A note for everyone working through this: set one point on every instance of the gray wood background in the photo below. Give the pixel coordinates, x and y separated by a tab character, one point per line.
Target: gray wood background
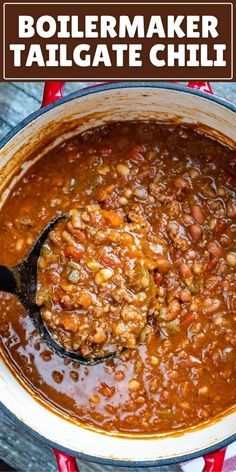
17	448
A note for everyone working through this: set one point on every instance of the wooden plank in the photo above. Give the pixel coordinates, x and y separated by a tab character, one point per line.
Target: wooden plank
4	126
15	104
33	89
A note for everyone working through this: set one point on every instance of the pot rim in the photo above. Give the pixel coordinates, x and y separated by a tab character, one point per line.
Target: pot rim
91	89
115	462
33	116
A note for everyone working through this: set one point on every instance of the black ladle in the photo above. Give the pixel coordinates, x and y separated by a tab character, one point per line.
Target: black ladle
21	281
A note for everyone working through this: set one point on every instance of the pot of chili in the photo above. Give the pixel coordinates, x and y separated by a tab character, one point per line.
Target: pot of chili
161	157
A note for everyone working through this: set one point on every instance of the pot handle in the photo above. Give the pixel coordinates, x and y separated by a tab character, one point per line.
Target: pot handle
54	90
65	462
203	86
214	462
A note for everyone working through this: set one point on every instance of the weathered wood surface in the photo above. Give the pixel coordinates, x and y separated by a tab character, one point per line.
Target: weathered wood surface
17	448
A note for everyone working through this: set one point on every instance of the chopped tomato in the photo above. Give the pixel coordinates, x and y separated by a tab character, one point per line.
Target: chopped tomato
109	260
114	218
187	319
102	195
73	252
105	152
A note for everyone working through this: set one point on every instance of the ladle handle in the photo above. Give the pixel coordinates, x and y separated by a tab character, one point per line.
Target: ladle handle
8	279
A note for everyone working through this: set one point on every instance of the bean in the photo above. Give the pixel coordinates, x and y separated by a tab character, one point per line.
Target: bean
187	219
221	191
123	201
231	208
100	336
185	296
145	281
197	268
57	376
154	360
127	193
134	385
103	275
163	265
76	218
197	214
161	292
93	265
106	391
181	183
103	170
173	310
140	400
211	306
119	376
74	375
193	173
185	271
122	169
220	227
46	355
214	249
231	259
140	193
196	232
151	199
42	262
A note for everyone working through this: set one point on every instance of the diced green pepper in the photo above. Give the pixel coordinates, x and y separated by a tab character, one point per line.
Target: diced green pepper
172	328
74	276
45	250
73	265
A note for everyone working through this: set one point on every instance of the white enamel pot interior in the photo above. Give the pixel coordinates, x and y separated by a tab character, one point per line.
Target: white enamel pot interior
78	112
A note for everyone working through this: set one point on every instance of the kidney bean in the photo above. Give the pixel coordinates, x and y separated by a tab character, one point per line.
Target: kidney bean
211	306
163	265
173	310
185	271
185	295
196	232
198	214
187	219
214	249
220	227
181	183
231	208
